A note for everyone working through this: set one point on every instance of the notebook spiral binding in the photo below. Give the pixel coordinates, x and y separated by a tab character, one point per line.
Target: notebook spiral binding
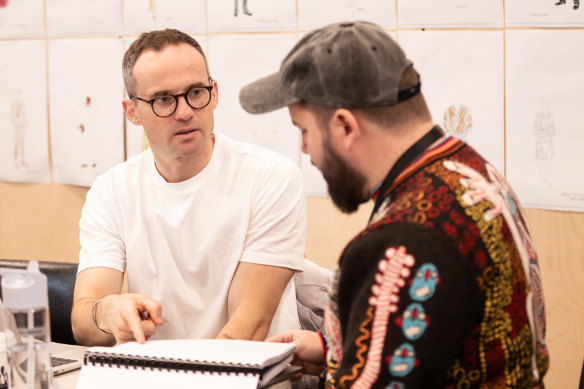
169	364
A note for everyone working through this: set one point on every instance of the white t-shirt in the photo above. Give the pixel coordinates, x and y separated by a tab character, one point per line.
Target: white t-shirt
181	242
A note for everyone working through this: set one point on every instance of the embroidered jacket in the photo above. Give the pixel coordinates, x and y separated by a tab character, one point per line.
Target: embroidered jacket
442	289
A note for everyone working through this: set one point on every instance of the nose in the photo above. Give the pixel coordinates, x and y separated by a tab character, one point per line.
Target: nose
183	110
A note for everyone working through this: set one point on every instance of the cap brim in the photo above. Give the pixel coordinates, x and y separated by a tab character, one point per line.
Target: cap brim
265	95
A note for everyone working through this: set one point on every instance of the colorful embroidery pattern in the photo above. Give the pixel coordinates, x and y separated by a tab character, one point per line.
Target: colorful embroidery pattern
453	192
503	311
403	360
413	321
392	270
362	343
424	283
333	328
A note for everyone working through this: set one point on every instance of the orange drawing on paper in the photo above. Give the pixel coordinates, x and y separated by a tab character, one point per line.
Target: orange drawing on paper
83	128
3	4
152	8
457	121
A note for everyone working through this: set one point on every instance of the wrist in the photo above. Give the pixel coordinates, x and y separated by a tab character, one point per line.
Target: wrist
93	317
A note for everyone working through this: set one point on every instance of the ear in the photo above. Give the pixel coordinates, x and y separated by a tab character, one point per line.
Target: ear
130	110
215	95
345	128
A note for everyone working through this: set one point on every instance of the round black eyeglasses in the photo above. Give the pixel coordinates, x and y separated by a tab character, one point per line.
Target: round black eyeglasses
163	106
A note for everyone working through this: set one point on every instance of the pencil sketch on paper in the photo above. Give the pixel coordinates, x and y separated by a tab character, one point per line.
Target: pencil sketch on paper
576	3
245	9
355	4
544	131
18	116
457	121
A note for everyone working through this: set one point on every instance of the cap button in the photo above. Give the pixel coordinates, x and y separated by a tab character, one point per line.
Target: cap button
346	24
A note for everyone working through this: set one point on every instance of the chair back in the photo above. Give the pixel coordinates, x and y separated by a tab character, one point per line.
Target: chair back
312	287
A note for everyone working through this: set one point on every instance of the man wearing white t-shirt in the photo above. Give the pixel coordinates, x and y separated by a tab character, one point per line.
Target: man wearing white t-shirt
208	230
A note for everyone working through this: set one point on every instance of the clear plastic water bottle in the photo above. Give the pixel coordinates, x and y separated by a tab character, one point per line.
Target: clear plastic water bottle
25	297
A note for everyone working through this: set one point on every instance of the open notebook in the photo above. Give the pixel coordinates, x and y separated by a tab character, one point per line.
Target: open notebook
196	363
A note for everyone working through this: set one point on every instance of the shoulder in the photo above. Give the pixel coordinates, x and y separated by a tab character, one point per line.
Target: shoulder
249	156
123	173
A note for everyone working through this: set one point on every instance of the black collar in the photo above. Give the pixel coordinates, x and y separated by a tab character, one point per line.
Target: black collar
404	160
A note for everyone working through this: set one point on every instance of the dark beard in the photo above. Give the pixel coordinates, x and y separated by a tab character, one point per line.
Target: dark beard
345	184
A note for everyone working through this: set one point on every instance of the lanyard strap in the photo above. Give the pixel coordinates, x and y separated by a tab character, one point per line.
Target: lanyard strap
404	160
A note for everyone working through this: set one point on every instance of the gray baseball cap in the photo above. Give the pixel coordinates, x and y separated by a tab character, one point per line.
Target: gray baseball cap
348	65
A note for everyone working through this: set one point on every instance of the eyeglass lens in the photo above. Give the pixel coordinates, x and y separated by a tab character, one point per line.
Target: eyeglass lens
196	98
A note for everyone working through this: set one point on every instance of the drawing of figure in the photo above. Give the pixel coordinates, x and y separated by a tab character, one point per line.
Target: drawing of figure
18	116
457	121
544	131
245	9
576	3
152	8
355	4
3	373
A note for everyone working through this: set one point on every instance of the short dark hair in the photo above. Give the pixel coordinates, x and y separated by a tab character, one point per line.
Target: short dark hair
154	40
383	116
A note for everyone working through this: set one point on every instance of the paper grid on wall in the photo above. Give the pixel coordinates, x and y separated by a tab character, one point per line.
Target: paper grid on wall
464	50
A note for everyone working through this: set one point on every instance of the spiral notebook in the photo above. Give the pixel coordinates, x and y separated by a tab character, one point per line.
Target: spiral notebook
194	363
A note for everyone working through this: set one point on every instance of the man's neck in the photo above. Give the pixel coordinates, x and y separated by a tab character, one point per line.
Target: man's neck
176	169
387	149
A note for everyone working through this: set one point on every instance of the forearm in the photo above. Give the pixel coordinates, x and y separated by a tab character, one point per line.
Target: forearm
254	296
84	330
247	323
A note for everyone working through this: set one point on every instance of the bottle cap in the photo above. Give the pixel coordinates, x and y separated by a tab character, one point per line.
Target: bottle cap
25	289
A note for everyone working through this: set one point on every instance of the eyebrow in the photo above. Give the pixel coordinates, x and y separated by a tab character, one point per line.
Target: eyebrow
169	92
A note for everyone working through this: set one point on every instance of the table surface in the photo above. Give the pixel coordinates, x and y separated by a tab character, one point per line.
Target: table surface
69	380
